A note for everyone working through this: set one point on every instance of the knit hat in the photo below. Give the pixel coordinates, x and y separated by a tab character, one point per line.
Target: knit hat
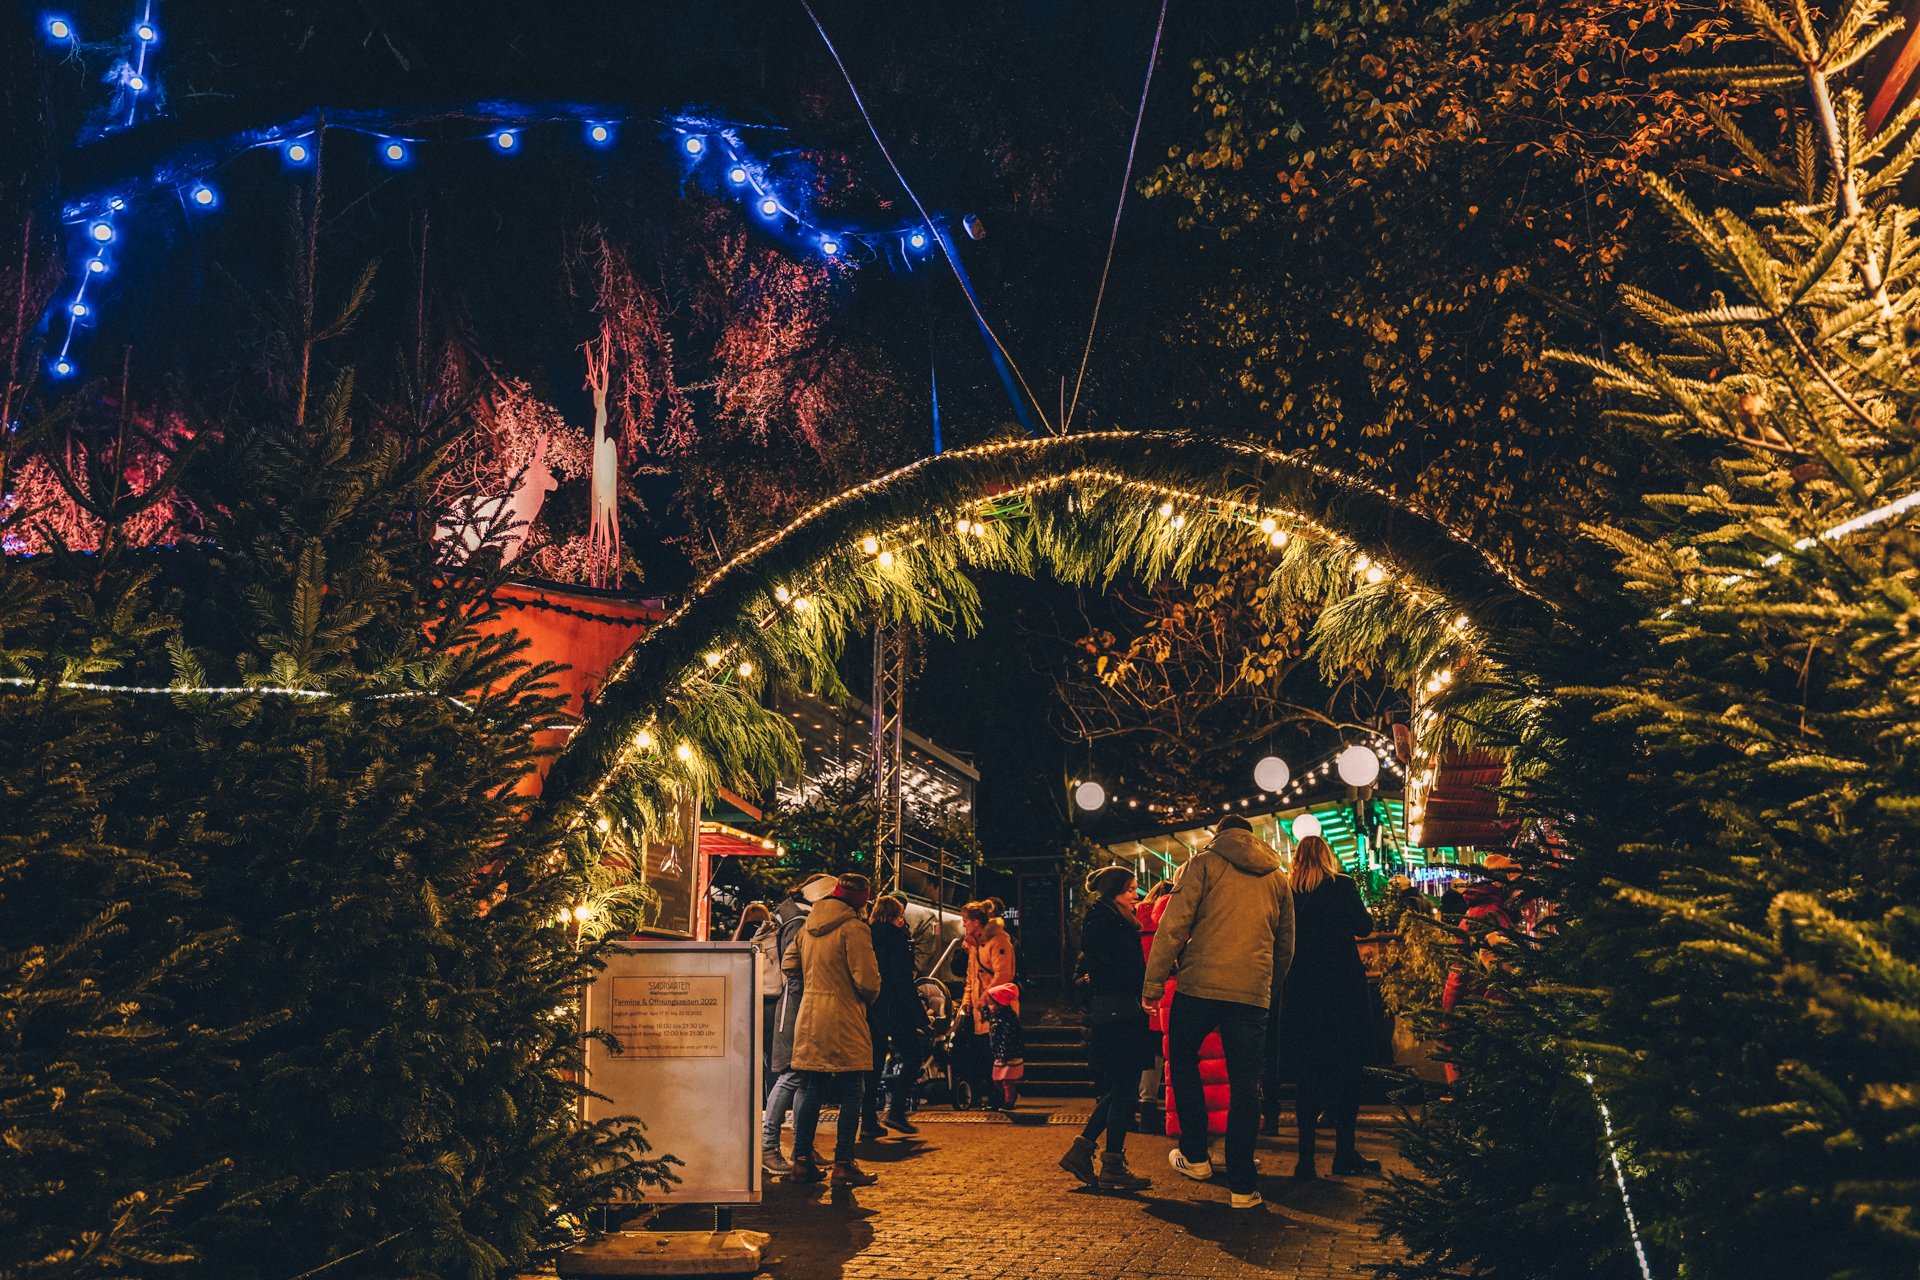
1109	882
1005	993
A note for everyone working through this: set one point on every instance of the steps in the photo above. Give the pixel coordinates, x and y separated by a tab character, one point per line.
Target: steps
1056	1062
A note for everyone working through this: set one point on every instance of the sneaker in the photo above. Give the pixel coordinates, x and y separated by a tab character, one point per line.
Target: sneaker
1199	1171
1245	1200
900	1124
774	1163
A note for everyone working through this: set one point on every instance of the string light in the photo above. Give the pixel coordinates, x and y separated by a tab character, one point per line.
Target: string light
393	152
506	139
870	545
59	28
885	560
600	135
683	753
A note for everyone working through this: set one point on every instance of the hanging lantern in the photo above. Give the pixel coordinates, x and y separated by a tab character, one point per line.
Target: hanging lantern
1271	774
1089	796
1358	766
1305	826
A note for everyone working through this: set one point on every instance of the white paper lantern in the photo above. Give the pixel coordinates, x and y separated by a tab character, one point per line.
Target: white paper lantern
1271	774
1358	766
1089	796
1304	826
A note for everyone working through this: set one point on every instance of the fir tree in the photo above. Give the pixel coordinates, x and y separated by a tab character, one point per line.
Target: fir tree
398	938
94	946
1739	965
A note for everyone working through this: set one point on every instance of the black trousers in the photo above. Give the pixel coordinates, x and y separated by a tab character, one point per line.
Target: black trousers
1113	1112
1243	1034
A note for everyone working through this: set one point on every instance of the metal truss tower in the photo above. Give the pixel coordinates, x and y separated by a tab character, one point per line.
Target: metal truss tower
889	726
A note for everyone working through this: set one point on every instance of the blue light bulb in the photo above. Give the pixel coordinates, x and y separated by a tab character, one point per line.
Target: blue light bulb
202	195
918	239
298	152
737	174
137	83
102	232
695	146
78	308
830	247
96	266
506	140
769	206
63	366
147	33
59	29
116	204
599	134
393	152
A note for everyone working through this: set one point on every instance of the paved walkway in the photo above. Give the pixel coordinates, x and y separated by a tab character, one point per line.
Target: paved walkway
977	1197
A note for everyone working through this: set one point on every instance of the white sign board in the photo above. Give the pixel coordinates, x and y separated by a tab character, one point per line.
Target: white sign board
687	1019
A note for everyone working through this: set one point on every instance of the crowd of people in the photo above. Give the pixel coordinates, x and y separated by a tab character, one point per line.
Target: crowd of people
844	1022
1238	973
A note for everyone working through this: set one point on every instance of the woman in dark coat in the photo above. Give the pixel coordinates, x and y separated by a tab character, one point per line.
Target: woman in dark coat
1118	1040
896	1018
1324	1015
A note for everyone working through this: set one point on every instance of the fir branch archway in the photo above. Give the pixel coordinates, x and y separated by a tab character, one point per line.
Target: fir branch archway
681	709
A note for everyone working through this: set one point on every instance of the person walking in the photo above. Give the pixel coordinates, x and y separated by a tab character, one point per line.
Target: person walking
992	998
1323	1018
783	1082
896	1020
1113	965
1227	927
832	1047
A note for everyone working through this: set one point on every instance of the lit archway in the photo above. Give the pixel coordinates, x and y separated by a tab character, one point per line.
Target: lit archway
681	710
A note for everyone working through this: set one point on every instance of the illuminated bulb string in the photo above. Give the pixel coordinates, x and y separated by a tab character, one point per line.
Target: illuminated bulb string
700	143
228	690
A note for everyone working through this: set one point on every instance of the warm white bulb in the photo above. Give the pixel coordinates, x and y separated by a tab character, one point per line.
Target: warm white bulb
1269	524
1460	623
979	529
1180	522
683	753
713	659
1375	573
963	525
801	604
746	668
582	911
1279	538
886	560
870	545
1166	509
782	594
602	825
643	740
1360	562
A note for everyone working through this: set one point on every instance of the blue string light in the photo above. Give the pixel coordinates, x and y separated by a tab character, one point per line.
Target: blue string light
59	29
714	150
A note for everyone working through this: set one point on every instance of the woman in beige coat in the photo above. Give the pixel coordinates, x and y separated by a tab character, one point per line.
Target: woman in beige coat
832	1045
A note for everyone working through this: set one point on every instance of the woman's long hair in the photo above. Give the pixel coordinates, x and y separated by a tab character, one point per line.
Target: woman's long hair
1313	865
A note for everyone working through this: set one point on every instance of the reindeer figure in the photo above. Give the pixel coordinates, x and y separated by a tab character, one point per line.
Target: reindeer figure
603	535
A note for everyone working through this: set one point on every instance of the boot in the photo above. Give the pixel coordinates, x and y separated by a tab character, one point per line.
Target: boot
870	1130
848	1174
897	1121
1079	1161
774	1163
1115	1176
1349	1163
805	1169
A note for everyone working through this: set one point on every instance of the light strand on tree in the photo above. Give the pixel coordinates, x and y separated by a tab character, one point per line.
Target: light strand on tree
226	691
1620	1180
